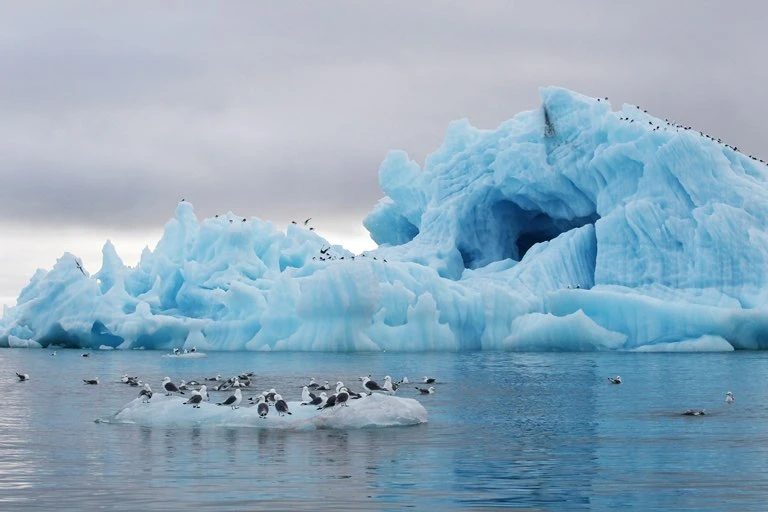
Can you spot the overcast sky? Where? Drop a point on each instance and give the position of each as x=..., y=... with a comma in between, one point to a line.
x=110, y=112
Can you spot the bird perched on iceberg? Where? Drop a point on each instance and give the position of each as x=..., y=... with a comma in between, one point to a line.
x=233, y=400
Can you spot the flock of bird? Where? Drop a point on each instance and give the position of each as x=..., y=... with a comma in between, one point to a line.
x=669, y=125
x=312, y=394
x=729, y=399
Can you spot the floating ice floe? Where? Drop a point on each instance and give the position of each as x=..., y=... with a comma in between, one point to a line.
x=368, y=412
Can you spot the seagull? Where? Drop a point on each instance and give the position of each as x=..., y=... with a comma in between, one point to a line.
x=233, y=400
x=262, y=408
x=183, y=385
x=388, y=384
x=729, y=398
x=22, y=376
x=371, y=386
x=305, y=395
x=146, y=393
x=91, y=381
x=281, y=406
x=170, y=387
x=195, y=399
x=53, y=353
x=317, y=400
x=307, y=221
x=429, y=380
x=329, y=402
x=79, y=265
x=342, y=396
x=86, y=355
x=615, y=380
x=694, y=412
x=214, y=379
x=324, y=387
x=427, y=391
x=204, y=392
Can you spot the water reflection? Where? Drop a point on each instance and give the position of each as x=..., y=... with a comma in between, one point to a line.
x=505, y=430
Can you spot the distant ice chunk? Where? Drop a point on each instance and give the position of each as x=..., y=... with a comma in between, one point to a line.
x=701, y=344
x=15, y=342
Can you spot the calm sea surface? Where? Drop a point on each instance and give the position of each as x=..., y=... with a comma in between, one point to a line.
x=530, y=431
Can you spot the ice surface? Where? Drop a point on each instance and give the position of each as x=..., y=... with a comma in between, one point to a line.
x=370, y=411
x=569, y=227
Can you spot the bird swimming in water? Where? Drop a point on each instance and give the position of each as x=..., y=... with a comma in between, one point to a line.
x=22, y=376
x=615, y=380
x=92, y=382
x=694, y=412
x=729, y=398
x=426, y=391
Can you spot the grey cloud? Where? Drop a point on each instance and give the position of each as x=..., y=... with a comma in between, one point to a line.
x=113, y=111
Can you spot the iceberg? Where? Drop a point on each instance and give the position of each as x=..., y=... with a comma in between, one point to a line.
x=571, y=227
x=373, y=411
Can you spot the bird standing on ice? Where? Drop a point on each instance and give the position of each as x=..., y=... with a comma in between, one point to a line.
x=170, y=387
x=233, y=400
x=371, y=386
x=729, y=398
x=195, y=399
x=22, y=376
x=281, y=406
x=146, y=393
x=262, y=407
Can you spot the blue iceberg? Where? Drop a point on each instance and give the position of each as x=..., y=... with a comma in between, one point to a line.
x=570, y=227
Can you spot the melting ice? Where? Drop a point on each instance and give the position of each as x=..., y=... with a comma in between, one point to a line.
x=569, y=227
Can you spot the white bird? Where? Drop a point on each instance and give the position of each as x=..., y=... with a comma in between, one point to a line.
x=183, y=385
x=729, y=398
x=204, y=392
x=22, y=376
x=261, y=407
x=371, y=386
x=388, y=384
x=429, y=380
x=312, y=384
x=195, y=399
x=305, y=398
x=281, y=406
x=170, y=387
x=233, y=400
x=146, y=393
x=405, y=381
x=342, y=396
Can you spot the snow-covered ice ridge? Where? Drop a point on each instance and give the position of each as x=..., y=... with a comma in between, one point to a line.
x=569, y=227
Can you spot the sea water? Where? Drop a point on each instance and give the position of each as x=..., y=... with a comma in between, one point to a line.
x=533, y=431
